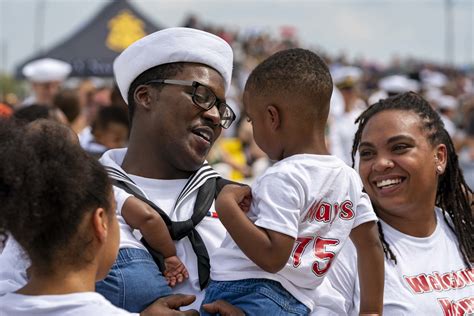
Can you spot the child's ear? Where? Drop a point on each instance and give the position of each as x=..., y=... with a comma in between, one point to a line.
x=273, y=116
x=100, y=223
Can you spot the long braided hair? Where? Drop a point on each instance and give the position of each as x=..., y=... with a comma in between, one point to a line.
x=453, y=194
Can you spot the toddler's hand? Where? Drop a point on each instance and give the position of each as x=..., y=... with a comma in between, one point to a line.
x=244, y=204
x=242, y=195
x=175, y=271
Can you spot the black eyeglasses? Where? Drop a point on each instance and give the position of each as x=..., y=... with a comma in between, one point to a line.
x=203, y=97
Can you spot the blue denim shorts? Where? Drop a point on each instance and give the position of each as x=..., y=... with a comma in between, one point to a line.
x=134, y=281
x=255, y=297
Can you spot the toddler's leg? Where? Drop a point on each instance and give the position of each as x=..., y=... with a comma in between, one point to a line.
x=255, y=297
x=135, y=283
x=112, y=286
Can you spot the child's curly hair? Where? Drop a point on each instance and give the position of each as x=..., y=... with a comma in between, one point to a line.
x=47, y=185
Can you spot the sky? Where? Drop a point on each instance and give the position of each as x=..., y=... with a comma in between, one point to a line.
x=374, y=29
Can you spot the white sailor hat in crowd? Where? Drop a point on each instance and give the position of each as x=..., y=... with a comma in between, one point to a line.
x=346, y=76
x=433, y=79
x=432, y=94
x=447, y=102
x=177, y=44
x=398, y=84
x=46, y=69
x=377, y=96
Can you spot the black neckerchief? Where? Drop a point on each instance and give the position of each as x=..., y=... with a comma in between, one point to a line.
x=210, y=184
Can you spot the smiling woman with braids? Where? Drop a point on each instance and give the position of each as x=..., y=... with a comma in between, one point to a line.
x=410, y=171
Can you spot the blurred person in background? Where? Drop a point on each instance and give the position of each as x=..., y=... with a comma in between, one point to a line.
x=5, y=110
x=342, y=127
x=67, y=100
x=466, y=153
x=45, y=76
x=256, y=158
x=108, y=131
x=35, y=112
x=97, y=98
x=95, y=95
x=448, y=108
x=393, y=85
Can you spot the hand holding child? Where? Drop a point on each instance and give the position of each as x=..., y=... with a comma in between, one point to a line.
x=169, y=305
x=223, y=308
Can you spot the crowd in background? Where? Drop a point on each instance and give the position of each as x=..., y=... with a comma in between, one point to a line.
x=95, y=110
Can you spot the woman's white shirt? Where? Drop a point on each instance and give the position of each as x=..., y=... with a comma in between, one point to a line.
x=430, y=277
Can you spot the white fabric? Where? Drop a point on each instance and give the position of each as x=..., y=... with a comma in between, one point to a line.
x=177, y=44
x=336, y=107
x=28, y=101
x=129, y=238
x=342, y=74
x=398, y=84
x=88, y=143
x=447, y=102
x=85, y=136
x=342, y=131
x=293, y=197
x=433, y=79
x=432, y=94
x=210, y=228
x=449, y=125
x=76, y=304
x=13, y=264
x=413, y=286
x=377, y=96
x=46, y=69
x=328, y=302
x=164, y=192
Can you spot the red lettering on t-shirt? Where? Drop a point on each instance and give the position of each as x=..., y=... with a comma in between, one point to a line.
x=423, y=283
x=323, y=214
x=323, y=211
x=310, y=214
x=419, y=284
x=298, y=249
x=346, y=210
x=462, y=307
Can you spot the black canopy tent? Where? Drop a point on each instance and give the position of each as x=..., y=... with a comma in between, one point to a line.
x=92, y=49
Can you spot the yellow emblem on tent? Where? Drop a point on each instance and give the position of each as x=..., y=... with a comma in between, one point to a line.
x=125, y=28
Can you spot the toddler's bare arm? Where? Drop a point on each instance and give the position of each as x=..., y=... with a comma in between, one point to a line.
x=370, y=264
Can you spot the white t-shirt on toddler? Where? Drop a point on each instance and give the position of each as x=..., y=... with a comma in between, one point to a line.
x=316, y=199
